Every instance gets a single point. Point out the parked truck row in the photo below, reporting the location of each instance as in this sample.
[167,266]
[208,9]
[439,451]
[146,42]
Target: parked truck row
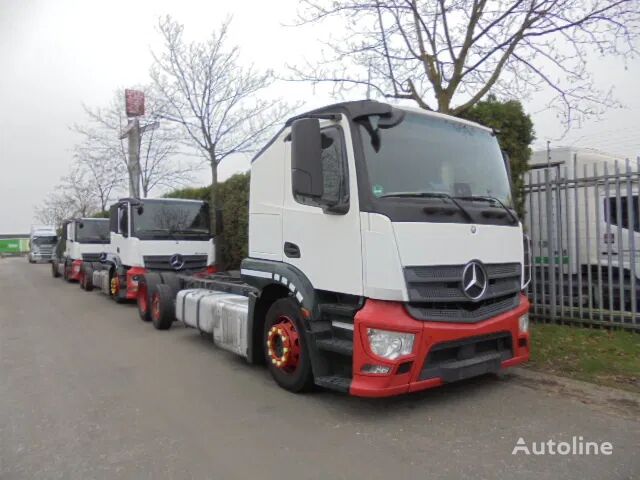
[384,255]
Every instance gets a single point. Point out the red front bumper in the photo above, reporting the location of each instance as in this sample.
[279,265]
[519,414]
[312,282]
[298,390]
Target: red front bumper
[75,272]
[392,316]
[133,277]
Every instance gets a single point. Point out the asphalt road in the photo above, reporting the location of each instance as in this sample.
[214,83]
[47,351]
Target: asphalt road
[87,390]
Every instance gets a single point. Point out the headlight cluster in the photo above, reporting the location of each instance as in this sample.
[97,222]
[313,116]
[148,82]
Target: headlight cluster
[390,345]
[523,323]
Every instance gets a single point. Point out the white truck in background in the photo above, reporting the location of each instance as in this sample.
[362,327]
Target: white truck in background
[82,243]
[384,257]
[153,238]
[584,222]
[42,242]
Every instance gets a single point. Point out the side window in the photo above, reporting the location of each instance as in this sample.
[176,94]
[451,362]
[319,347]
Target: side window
[611,212]
[335,172]
[123,221]
[113,218]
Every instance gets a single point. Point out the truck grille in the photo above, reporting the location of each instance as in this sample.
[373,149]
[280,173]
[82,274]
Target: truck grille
[435,292]
[163,262]
[91,257]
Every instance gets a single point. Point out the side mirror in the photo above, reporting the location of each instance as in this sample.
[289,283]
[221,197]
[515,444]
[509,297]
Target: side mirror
[306,165]
[219,225]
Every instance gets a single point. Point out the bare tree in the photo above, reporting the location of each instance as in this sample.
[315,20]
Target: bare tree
[54,210]
[220,104]
[74,197]
[78,188]
[105,175]
[446,55]
[158,148]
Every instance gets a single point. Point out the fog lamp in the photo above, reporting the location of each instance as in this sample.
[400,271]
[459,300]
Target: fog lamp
[377,369]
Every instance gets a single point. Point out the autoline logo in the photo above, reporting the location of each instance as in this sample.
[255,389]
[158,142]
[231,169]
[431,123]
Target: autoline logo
[577,446]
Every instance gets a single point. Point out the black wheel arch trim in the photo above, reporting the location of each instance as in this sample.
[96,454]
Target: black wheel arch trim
[263,273]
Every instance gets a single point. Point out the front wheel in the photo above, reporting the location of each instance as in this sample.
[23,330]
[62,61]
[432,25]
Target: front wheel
[115,288]
[146,284]
[285,349]
[162,306]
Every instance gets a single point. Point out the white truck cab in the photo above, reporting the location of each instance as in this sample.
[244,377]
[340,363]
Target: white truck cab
[384,256]
[42,241]
[83,242]
[163,235]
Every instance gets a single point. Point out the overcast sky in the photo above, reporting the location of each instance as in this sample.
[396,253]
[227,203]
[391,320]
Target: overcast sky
[57,55]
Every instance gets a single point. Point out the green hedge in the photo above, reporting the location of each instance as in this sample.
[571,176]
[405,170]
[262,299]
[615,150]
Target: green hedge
[233,198]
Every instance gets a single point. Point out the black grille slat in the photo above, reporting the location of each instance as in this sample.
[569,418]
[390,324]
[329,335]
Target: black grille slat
[91,257]
[445,293]
[162,262]
[458,313]
[448,360]
[435,292]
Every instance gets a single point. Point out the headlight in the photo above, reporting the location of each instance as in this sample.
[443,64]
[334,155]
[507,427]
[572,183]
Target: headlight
[523,323]
[390,345]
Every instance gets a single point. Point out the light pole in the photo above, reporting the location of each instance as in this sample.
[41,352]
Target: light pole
[134,101]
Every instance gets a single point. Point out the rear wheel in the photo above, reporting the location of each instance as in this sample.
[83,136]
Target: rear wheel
[162,306]
[86,280]
[54,269]
[145,285]
[285,349]
[66,273]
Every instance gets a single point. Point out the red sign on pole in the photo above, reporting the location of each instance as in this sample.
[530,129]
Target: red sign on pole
[134,100]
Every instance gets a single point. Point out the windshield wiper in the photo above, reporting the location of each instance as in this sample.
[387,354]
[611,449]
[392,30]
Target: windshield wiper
[430,195]
[155,231]
[490,199]
[191,232]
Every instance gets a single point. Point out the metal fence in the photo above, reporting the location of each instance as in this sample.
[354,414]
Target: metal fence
[583,221]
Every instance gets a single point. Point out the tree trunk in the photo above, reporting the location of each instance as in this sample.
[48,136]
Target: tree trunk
[212,196]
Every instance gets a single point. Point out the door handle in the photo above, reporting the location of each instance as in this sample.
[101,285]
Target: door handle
[291,250]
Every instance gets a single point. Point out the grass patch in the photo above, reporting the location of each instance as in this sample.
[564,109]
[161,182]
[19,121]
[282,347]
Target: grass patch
[605,357]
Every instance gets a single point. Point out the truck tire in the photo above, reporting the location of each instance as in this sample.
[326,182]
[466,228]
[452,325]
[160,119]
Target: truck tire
[66,273]
[285,348]
[115,288]
[145,284]
[54,269]
[86,280]
[163,308]
[171,279]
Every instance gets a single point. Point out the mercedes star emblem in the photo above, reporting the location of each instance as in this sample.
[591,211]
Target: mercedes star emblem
[176,261]
[474,280]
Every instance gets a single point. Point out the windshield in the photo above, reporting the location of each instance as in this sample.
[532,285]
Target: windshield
[173,220]
[49,240]
[426,154]
[92,231]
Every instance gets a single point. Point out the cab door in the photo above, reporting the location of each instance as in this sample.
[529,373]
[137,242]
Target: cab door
[324,245]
